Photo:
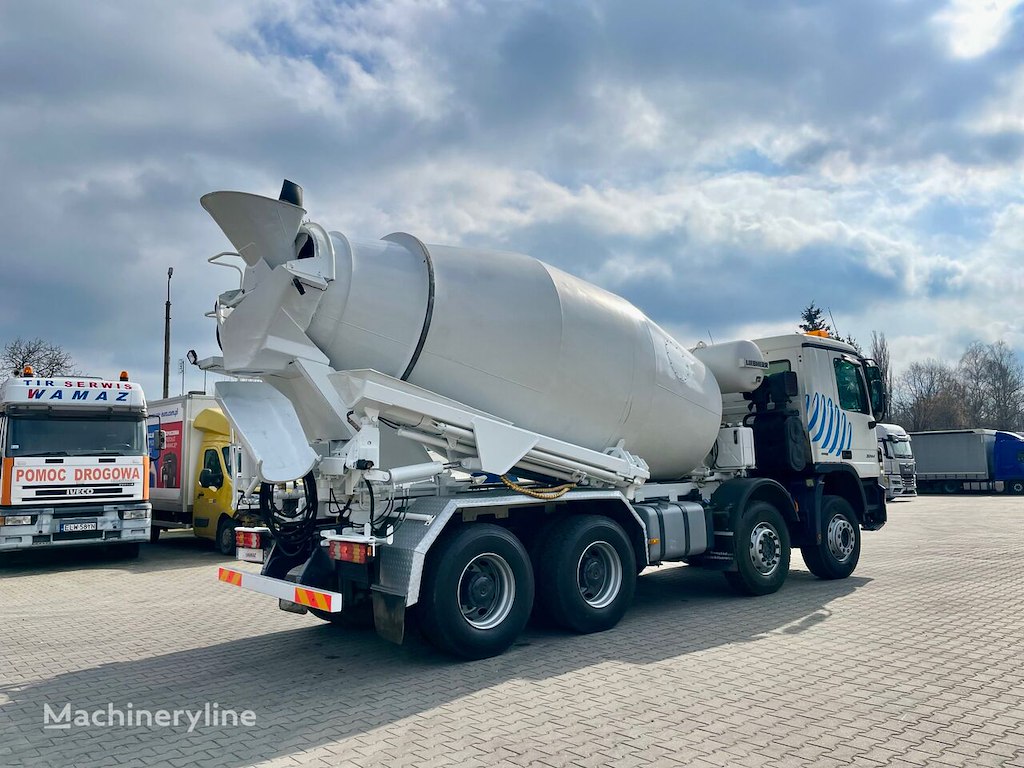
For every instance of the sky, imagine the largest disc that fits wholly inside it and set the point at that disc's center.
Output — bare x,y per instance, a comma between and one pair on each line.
720,164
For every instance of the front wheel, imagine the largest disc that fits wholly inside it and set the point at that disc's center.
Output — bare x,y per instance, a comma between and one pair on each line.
837,555
586,574
761,550
226,536
477,592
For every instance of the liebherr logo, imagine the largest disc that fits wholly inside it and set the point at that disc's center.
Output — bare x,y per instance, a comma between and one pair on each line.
212,715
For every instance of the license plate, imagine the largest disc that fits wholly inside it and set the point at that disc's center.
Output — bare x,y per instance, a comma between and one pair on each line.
249,554
78,525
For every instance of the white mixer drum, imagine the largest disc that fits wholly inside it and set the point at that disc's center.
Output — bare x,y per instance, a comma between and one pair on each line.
510,335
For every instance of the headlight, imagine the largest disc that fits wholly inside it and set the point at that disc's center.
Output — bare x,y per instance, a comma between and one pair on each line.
135,514
16,520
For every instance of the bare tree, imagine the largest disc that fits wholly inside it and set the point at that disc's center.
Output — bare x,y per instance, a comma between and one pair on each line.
929,396
45,358
992,381
879,352
972,374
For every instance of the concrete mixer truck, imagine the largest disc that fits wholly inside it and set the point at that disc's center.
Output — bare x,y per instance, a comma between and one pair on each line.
460,438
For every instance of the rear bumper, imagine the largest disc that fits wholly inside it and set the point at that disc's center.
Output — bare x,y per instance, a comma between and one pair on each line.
46,528
328,602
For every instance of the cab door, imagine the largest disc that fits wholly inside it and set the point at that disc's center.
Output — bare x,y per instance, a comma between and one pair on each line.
838,411
209,491
856,443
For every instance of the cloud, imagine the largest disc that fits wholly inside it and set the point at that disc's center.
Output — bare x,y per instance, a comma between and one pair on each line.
720,164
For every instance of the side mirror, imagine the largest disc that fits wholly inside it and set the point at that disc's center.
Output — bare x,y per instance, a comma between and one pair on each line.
876,391
206,478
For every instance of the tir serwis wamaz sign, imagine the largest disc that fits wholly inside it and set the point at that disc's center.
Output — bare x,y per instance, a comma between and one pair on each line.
71,393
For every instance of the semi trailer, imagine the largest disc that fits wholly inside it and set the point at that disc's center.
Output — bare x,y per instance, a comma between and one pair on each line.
467,436
193,479
969,460
74,463
899,468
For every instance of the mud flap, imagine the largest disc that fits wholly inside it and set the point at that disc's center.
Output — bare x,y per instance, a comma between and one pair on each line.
389,616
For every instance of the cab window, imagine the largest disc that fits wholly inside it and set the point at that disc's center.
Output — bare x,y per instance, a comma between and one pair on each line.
850,386
211,462
226,451
778,366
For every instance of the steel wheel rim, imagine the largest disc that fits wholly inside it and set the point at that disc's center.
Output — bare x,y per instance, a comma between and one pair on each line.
765,548
486,591
841,537
599,574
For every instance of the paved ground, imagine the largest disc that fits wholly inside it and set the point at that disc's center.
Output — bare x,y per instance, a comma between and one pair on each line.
915,660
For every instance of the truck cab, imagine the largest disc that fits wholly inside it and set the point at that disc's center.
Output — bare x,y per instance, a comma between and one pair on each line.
74,463
897,461
834,401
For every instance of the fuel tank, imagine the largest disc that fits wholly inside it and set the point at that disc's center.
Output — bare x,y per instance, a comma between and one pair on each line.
501,332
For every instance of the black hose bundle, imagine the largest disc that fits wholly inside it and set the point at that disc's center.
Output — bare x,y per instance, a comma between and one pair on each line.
293,526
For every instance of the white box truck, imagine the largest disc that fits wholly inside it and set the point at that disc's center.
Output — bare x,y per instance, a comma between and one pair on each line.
193,482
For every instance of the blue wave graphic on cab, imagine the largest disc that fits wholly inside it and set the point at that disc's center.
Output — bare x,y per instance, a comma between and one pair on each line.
827,425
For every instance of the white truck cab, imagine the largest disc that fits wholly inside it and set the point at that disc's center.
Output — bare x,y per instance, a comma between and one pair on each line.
899,466
75,463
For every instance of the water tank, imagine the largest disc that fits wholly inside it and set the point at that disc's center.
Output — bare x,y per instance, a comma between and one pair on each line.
504,333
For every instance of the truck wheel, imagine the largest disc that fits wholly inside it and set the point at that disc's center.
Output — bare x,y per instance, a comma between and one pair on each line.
477,592
1016,486
154,534
837,555
762,551
587,574
226,536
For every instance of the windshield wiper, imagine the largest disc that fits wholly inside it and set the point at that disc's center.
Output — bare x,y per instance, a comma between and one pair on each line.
43,453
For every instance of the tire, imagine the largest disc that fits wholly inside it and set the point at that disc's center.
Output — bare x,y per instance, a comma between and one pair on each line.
837,555
477,592
586,574
761,550
1016,486
154,534
226,536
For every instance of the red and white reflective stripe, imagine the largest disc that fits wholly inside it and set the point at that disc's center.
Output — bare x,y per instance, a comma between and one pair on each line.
285,590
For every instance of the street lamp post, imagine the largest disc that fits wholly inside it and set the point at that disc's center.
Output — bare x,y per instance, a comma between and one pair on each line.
167,335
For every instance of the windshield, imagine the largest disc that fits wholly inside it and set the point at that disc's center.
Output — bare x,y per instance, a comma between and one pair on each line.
57,435
901,449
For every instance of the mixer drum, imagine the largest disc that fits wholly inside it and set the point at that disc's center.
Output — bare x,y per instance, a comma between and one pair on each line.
510,335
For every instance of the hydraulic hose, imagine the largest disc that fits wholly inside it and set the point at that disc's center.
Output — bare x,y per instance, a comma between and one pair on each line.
292,529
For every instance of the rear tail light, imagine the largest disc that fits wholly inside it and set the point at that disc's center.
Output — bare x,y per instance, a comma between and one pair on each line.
249,539
349,551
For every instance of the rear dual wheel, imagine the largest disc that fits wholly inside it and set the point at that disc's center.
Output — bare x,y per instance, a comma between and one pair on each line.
586,573
477,592
479,584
